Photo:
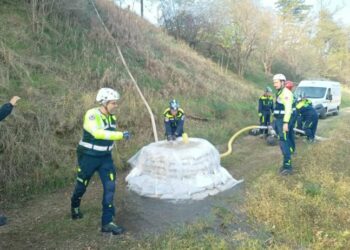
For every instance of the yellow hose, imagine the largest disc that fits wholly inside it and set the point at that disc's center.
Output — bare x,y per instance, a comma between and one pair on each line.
229,145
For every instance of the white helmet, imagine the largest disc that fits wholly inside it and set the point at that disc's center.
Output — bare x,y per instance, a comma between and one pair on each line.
280,77
106,94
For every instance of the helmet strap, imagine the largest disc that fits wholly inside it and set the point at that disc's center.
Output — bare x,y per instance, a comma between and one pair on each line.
104,109
283,83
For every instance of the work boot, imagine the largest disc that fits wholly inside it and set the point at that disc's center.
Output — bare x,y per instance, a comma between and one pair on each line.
3,220
112,228
76,213
311,141
286,171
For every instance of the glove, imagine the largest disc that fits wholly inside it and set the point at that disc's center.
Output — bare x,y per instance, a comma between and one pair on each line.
260,114
126,135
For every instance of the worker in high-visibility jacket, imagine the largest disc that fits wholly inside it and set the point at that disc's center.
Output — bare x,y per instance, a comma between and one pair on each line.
5,110
293,119
174,119
282,114
309,118
265,108
94,154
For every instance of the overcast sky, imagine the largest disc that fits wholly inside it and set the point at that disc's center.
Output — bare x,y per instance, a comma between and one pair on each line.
342,15
342,6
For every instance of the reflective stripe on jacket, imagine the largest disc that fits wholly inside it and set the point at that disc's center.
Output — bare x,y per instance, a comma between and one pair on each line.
265,104
306,110
283,105
99,133
169,117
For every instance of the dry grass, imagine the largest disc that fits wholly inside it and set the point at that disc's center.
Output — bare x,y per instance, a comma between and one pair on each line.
58,68
311,209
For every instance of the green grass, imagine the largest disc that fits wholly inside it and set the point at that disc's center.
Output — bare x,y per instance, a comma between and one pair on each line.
345,101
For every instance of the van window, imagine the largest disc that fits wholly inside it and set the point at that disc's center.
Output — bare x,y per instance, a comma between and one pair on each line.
310,92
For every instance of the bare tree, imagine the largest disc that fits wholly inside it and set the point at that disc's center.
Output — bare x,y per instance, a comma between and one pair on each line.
180,20
332,42
40,10
239,33
141,6
270,42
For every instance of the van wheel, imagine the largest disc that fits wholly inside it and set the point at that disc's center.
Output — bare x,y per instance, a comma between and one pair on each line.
336,112
323,114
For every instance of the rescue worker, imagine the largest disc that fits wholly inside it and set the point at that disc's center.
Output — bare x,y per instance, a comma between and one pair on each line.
265,108
174,119
282,114
309,118
5,110
299,124
94,154
299,118
290,85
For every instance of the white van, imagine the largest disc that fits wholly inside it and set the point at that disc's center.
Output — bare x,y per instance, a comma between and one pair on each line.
325,95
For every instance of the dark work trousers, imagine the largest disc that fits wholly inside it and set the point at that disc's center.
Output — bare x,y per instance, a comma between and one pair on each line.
173,126
283,142
299,124
265,120
310,126
88,165
291,133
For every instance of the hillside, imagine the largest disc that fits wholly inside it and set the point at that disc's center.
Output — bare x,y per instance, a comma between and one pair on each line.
56,56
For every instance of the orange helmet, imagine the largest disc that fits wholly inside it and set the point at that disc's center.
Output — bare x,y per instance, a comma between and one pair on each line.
289,85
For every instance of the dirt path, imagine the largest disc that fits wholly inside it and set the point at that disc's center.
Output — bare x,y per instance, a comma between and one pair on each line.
44,223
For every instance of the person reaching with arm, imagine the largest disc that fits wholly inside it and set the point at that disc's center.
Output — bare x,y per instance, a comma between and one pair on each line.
94,154
6,110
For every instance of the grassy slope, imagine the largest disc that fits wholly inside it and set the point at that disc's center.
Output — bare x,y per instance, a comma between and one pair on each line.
58,71
58,63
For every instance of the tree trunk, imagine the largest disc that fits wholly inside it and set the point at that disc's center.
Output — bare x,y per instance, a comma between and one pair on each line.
141,8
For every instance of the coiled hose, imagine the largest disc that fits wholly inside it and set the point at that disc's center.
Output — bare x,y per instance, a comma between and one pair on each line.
229,145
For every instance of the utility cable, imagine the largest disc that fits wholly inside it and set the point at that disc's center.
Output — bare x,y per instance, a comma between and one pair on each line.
129,73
